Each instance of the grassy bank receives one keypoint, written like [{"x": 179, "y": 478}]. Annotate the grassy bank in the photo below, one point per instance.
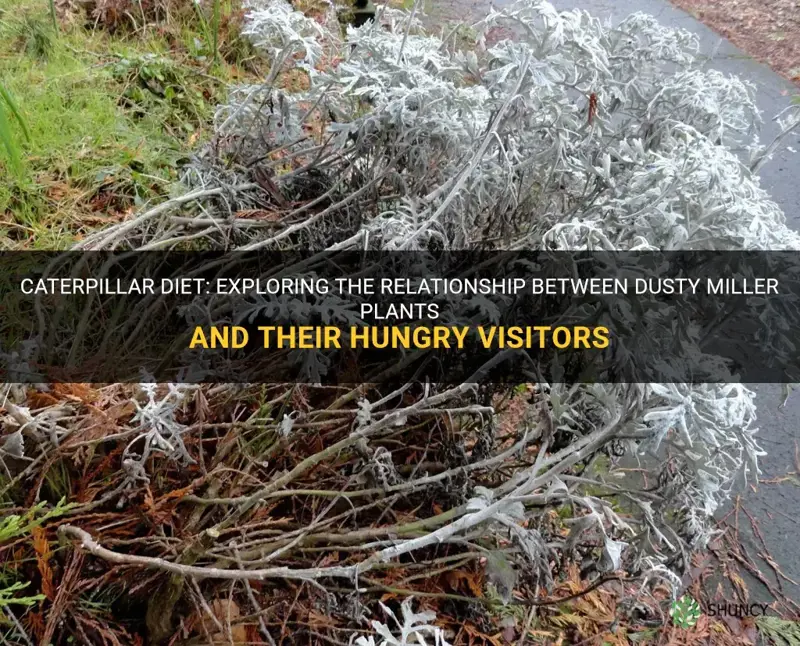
[{"x": 111, "y": 113}]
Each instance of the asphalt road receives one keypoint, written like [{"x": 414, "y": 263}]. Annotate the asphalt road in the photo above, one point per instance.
[{"x": 775, "y": 506}]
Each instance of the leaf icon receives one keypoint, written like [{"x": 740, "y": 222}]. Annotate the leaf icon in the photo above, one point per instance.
[{"x": 685, "y": 612}]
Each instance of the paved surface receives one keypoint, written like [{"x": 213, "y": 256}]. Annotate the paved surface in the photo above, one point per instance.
[
  {"x": 776, "y": 507},
  {"x": 781, "y": 177}
]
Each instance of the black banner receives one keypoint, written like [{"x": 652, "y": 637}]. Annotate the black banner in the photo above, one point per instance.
[{"x": 353, "y": 317}]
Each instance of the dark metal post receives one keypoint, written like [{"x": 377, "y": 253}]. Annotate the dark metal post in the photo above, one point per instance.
[{"x": 363, "y": 12}]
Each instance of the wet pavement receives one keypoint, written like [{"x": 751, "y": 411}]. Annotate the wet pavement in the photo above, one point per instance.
[{"x": 776, "y": 507}]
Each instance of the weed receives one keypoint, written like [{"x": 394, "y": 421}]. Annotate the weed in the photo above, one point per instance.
[
  {"x": 36, "y": 36},
  {"x": 53, "y": 16},
  {"x": 155, "y": 82},
  {"x": 15, "y": 525},
  {"x": 215, "y": 24},
  {"x": 210, "y": 28},
  {"x": 78, "y": 135},
  {"x": 7, "y": 137},
  {"x": 58, "y": 481},
  {"x": 108, "y": 120},
  {"x": 7, "y": 595}
]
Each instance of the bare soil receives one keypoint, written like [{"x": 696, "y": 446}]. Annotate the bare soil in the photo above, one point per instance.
[{"x": 768, "y": 30}]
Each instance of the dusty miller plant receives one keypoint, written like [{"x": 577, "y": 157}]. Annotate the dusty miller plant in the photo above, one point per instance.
[
  {"x": 574, "y": 135},
  {"x": 501, "y": 142},
  {"x": 158, "y": 430},
  {"x": 415, "y": 628}
]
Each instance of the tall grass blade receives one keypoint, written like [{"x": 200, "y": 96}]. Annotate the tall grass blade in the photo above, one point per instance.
[
  {"x": 215, "y": 25},
  {"x": 8, "y": 141},
  {"x": 12, "y": 105},
  {"x": 201, "y": 17},
  {"x": 53, "y": 16},
  {"x": 7, "y": 138}
]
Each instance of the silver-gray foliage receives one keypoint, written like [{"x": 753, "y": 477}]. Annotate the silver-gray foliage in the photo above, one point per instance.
[{"x": 572, "y": 135}]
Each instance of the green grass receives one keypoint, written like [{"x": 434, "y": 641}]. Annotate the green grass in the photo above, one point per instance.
[
  {"x": 110, "y": 119},
  {"x": 210, "y": 28},
  {"x": 8, "y": 108},
  {"x": 53, "y": 17}
]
